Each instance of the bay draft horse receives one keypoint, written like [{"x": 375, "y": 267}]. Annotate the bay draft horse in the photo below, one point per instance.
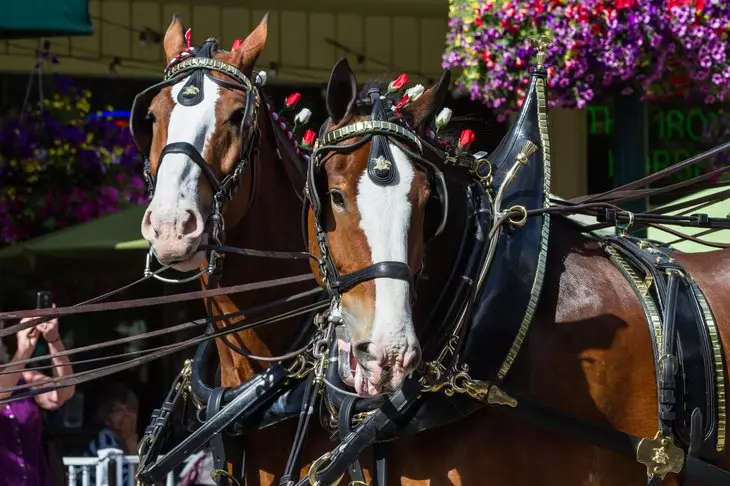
[
  {"x": 588, "y": 352},
  {"x": 219, "y": 143}
]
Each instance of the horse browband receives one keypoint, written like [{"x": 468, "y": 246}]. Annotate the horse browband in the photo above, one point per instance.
[
  {"x": 195, "y": 63},
  {"x": 368, "y": 127}
]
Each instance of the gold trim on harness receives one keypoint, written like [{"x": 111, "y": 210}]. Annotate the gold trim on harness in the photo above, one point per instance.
[
  {"x": 367, "y": 127},
  {"x": 641, "y": 287},
  {"x": 194, "y": 63},
  {"x": 544, "y": 233}
]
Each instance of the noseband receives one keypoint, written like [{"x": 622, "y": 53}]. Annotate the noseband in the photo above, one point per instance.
[
  {"x": 198, "y": 67},
  {"x": 381, "y": 170}
]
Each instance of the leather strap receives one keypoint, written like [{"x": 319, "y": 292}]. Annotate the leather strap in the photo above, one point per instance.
[
  {"x": 387, "y": 269},
  {"x": 698, "y": 471},
  {"x": 380, "y": 478},
  {"x": 344, "y": 419},
  {"x": 259, "y": 389},
  {"x": 311, "y": 393},
  {"x": 367, "y": 432}
]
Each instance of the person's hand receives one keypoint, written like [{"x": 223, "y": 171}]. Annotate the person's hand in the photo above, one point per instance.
[
  {"x": 27, "y": 340},
  {"x": 49, "y": 329}
]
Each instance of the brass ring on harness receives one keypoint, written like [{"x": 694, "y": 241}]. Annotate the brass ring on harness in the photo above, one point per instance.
[
  {"x": 314, "y": 468},
  {"x": 522, "y": 212},
  {"x": 624, "y": 228},
  {"x": 485, "y": 179}
]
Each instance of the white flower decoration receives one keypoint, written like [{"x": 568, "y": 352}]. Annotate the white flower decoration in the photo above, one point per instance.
[
  {"x": 415, "y": 92},
  {"x": 443, "y": 118},
  {"x": 303, "y": 116}
]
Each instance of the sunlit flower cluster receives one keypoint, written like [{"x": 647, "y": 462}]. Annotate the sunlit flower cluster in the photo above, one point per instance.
[
  {"x": 656, "y": 48},
  {"x": 59, "y": 168}
]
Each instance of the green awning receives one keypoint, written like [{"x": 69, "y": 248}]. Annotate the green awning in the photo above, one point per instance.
[
  {"x": 27, "y": 19},
  {"x": 116, "y": 232}
]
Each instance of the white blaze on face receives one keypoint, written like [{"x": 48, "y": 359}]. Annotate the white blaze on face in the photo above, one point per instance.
[
  {"x": 385, "y": 213},
  {"x": 178, "y": 176}
]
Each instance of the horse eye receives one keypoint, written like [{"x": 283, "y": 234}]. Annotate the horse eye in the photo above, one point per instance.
[
  {"x": 338, "y": 199},
  {"x": 150, "y": 117},
  {"x": 236, "y": 118}
]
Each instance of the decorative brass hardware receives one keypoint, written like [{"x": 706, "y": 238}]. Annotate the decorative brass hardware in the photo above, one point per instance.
[
  {"x": 216, "y": 473},
  {"x": 459, "y": 382},
  {"x": 484, "y": 176},
  {"x": 660, "y": 455},
  {"x": 521, "y": 212},
  {"x": 497, "y": 396},
  {"x": 528, "y": 149},
  {"x": 300, "y": 368},
  {"x": 541, "y": 43},
  {"x": 381, "y": 163},
  {"x": 314, "y": 468}
]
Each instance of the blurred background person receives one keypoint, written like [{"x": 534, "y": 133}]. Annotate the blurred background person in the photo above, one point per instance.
[
  {"x": 23, "y": 460},
  {"x": 116, "y": 414}
]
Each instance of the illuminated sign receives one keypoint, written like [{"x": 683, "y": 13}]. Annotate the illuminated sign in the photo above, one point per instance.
[{"x": 675, "y": 132}]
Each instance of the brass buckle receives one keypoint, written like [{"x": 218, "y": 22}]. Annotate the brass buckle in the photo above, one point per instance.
[
  {"x": 660, "y": 455},
  {"x": 314, "y": 468}
]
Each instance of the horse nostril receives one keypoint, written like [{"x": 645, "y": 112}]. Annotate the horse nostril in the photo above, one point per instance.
[
  {"x": 364, "y": 351},
  {"x": 190, "y": 225}
]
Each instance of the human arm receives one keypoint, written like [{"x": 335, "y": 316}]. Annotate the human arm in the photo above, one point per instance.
[
  {"x": 61, "y": 366},
  {"x": 27, "y": 340}
]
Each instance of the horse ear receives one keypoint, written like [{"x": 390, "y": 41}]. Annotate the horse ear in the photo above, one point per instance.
[
  {"x": 246, "y": 55},
  {"x": 341, "y": 91},
  {"x": 174, "y": 42},
  {"x": 430, "y": 102}
]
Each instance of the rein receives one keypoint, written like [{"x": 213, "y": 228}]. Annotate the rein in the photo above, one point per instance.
[{"x": 156, "y": 353}]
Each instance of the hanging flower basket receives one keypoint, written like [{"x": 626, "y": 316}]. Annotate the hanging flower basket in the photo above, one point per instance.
[
  {"x": 60, "y": 167},
  {"x": 600, "y": 48}
]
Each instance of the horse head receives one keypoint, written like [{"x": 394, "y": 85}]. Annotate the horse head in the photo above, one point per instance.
[
  {"x": 201, "y": 121},
  {"x": 368, "y": 189}
]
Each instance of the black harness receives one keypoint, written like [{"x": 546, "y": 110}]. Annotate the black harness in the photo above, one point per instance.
[{"x": 197, "y": 68}]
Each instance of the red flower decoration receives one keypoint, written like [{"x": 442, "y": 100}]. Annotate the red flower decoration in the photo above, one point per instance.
[
  {"x": 621, "y": 4},
  {"x": 398, "y": 83},
  {"x": 188, "y": 35},
  {"x": 466, "y": 138},
  {"x": 236, "y": 44},
  {"x": 397, "y": 108},
  {"x": 308, "y": 138},
  {"x": 292, "y": 100}
]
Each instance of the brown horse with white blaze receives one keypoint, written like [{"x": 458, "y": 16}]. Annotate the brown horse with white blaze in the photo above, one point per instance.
[
  {"x": 221, "y": 132},
  {"x": 588, "y": 352}
]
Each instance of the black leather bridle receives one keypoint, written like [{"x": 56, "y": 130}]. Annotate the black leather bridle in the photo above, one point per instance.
[
  {"x": 380, "y": 131},
  {"x": 199, "y": 66}
]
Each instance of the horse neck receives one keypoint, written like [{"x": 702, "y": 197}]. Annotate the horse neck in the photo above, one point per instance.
[{"x": 272, "y": 222}]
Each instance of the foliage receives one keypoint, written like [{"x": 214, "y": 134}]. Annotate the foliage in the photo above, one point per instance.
[
  {"x": 59, "y": 167},
  {"x": 657, "y": 48}
]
